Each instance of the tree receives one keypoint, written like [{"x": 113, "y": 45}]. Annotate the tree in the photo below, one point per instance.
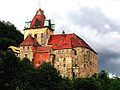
[
  {"x": 114, "y": 84},
  {"x": 104, "y": 79},
  {"x": 46, "y": 77},
  {"x": 86, "y": 84},
  {"x": 65, "y": 84},
  {"x": 9, "y": 35}
]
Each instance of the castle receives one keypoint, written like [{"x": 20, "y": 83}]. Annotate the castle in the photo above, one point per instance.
[{"x": 69, "y": 54}]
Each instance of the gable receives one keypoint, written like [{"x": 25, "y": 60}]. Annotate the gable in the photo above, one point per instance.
[{"x": 29, "y": 41}]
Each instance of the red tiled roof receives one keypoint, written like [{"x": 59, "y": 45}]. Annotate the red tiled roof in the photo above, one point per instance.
[
  {"x": 66, "y": 41},
  {"x": 43, "y": 49},
  {"x": 29, "y": 40},
  {"x": 39, "y": 17}
]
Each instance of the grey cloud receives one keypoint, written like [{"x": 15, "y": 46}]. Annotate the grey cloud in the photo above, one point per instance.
[
  {"x": 105, "y": 62},
  {"x": 96, "y": 20}
]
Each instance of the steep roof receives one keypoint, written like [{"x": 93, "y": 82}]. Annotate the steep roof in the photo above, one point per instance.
[
  {"x": 29, "y": 41},
  {"x": 43, "y": 49},
  {"x": 39, "y": 18},
  {"x": 67, "y": 41}
]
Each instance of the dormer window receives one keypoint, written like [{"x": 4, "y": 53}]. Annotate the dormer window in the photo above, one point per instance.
[
  {"x": 37, "y": 23},
  {"x": 55, "y": 44}
]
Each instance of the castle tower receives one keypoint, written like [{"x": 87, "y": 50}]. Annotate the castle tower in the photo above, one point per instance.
[
  {"x": 36, "y": 35},
  {"x": 40, "y": 27}
]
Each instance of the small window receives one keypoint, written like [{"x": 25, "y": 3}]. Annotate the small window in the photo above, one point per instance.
[
  {"x": 38, "y": 62},
  {"x": 75, "y": 64},
  {"x": 64, "y": 65},
  {"x": 64, "y": 44},
  {"x": 55, "y": 44},
  {"x": 58, "y": 52},
  {"x": 23, "y": 48},
  {"x": 62, "y": 51},
  {"x": 37, "y": 23},
  {"x": 26, "y": 55},
  {"x": 84, "y": 65},
  {"x": 57, "y": 59},
  {"x": 42, "y": 35},
  {"x": 35, "y": 35},
  {"x": 64, "y": 59},
  {"x": 28, "y": 48},
  {"x": 75, "y": 52}
]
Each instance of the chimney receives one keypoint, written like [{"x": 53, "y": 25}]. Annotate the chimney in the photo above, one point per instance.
[{"x": 63, "y": 33}]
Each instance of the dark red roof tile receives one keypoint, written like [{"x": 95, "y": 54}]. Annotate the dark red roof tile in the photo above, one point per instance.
[
  {"x": 60, "y": 41},
  {"x": 29, "y": 41}
]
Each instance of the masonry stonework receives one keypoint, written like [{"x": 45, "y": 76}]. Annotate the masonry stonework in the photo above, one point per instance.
[
  {"x": 26, "y": 51},
  {"x": 76, "y": 62}
]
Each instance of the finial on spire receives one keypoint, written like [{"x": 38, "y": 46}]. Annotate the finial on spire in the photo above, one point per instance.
[{"x": 39, "y": 6}]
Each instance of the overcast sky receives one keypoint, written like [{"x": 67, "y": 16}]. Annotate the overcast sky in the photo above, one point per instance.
[{"x": 96, "y": 21}]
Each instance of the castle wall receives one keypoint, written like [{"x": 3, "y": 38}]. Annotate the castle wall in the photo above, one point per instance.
[
  {"x": 63, "y": 62},
  {"x": 76, "y": 62},
  {"x": 85, "y": 62}
]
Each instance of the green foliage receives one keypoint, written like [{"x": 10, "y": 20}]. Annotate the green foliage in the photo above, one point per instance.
[
  {"x": 47, "y": 77},
  {"x": 65, "y": 84},
  {"x": 86, "y": 84},
  {"x": 9, "y": 35},
  {"x": 49, "y": 72},
  {"x": 16, "y": 74}
]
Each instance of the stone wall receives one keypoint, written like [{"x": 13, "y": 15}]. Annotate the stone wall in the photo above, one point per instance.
[
  {"x": 76, "y": 62},
  {"x": 43, "y": 34},
  {"x": 63, "y": 62},
  {"x": 85, "y": 62},
  {"x": 26, "y": 51}
]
